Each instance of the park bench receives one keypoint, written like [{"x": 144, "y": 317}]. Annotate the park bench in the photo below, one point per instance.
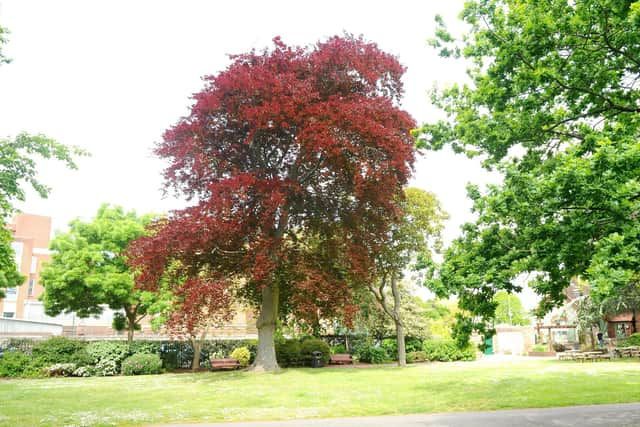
[
  {"x": 340, "y": 359},
  {"x": 227, "y": 363}
]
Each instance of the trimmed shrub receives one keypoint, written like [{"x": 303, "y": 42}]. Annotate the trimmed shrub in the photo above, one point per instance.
[
  {"x": 60, "y": 370},
  {"x": 309, "y": 345},
  {"x": 107, "y": 356},
  {"x": 243, "y": 355},
  {"x": 416, "y": 356},
  {"x": 447, "y": 351},
  {"x": 558, "y": 347},
  {"x": 142, "y": 364},
  {"x": 57, "y": 350},
  {"x": 14, "y": 363},
  {"x": 371, "y": 354},
  {"x": 288, "y": 353}
]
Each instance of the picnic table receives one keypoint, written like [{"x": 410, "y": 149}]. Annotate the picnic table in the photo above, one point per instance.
[
  {"x": 633, "y": 351},
  {"x": 581, "y": 356}
]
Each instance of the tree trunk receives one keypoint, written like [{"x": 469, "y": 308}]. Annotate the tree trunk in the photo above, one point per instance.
[
  {"x": 129, "y": 335},
  {"x": 402, "y": 355},
  {"x": 197, "y": 351},
  {"x": 130, "y": 313},
  {"x": 267, "y": 321}
]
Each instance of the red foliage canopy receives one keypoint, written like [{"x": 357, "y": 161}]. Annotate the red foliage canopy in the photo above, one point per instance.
[
  {"x": 293, "y": 158},
  {"x": 201, "y": 304}
]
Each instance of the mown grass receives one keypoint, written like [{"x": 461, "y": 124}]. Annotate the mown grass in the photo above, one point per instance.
[{"x": 304, "y": 393}]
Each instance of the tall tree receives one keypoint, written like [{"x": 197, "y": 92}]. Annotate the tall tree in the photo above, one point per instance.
[
  {"x": 17, "y": 168},
  {"x": 554, "y": 106},
  {"x": 410, "y": 240},
  {"x": 294, "y": 159},
  {"x": 88, "y": 269}
]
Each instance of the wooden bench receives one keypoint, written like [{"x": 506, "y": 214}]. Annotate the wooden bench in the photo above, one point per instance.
[
  {"x": 228, "y": 363},
  {"x": 340, "y": 359}
]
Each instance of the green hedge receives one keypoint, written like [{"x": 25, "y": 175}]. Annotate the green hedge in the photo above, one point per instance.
[
  {"x": 14, "y": 363},
  {"x": 59, "y": 350},
  {"x": 447, "y": 351}
]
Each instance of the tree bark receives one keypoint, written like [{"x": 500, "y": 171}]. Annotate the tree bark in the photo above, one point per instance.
[
  {"x": 130, "y": 313},
  {"x": 197, "y": 350},
  {"x": 267, "y": 321},
  {"x": 402, "y": 354}
]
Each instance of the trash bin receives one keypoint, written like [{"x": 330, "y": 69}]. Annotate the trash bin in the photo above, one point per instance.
[{"x": 316, "y": 359}]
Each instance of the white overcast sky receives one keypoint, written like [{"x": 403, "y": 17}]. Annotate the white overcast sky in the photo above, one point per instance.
[{"x": 111, "y": 76}]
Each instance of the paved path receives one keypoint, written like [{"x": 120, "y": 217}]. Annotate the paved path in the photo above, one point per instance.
[{"x": 618, "y": 415}]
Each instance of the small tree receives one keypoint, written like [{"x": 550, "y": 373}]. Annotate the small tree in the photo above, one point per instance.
[
  {"x": 196, "y": 306},
  {"x": 417, "y": 233},
  {"x": 88, "y": 270}
]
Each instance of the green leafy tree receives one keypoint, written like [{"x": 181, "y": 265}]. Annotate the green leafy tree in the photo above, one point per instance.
[
  {"x": 553, "y": 105},
  {"x": 416, "y": 315},
  {"x": 509, "y": 310},
  {"x": 88, "y": 270},
  {"x": 17, "y": 168},
  {"x": 409, "y": 243}
]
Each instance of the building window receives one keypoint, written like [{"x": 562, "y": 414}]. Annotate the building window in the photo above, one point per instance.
[
  {"x": 11, "y": 294},
  {"x": 34, "y": 265},
  {"x": 32, "y": 284},
  {"x": 8, "y": 315}
]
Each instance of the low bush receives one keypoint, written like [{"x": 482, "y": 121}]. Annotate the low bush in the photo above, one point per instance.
[
  {"x": 371, "y": 354},
  {"x": 243, "y": 355},
  {"x": 540, "y": 348},
  {"x": 447, "y": 351},
  {"x": 60, "y": 370},
  {"x": 83, "y": 371},
  {"x": 412, "y": 344},
  {"x": 559, "y": 347},
  {"x": 288, "y": 353},
  {"x": 107, "y": 356},
  {"x": 416, "y": 356},
  {"x": 142, "y": 364},
  {"x": 14, "y": 363},
  {"x": 632, "y": 341},
  {"x": 390, "y": 346},
  {"x": 57, "y": 350},
  {"x": 310, "y": 345}
]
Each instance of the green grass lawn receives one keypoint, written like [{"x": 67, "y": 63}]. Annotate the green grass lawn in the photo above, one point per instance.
[{"x": 303, "y": 393}]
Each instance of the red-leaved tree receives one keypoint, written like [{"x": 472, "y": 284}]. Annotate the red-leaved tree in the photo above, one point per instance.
[
  {"x": 196, "y": 306},
  {"x": 292, "y": 158}
]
